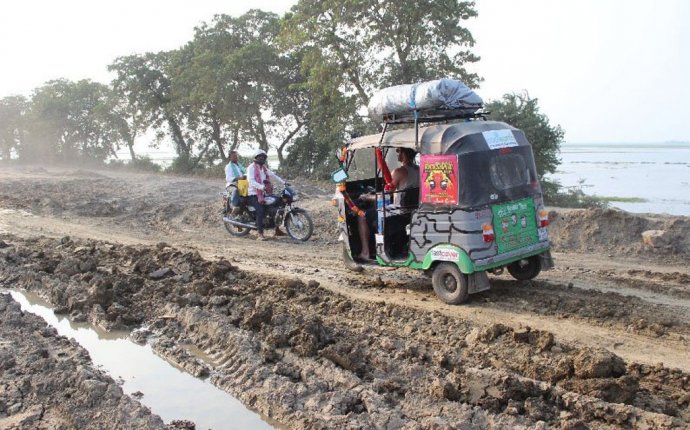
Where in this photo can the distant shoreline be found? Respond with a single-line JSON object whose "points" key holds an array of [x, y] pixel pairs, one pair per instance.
{"points": [[670, 144]]}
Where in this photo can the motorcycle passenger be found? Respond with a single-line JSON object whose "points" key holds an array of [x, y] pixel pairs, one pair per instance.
{"points": [[259, 186], [234, 171]]}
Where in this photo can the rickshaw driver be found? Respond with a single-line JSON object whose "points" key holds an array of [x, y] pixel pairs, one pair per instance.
{"points": [[403, 178]]}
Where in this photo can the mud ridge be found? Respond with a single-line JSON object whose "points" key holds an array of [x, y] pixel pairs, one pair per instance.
{"points": [[310, 358]]}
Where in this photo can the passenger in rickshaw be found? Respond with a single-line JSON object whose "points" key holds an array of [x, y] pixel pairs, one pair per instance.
{"points": [[404, 179]]}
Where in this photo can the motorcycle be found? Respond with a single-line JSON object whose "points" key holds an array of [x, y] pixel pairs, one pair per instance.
{"points": [[279, 212]]}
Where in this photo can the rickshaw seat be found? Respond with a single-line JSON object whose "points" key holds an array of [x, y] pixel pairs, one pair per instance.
{"points": [[396, 238], [410, 198]]}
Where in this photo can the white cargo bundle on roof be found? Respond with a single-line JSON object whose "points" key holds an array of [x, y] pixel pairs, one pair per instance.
{"points": [[441, 94]]}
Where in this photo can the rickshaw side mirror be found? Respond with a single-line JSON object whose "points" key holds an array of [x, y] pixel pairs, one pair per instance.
{"points": [[339, 175]]}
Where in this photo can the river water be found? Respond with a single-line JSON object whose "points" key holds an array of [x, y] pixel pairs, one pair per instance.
{"points": [[657, 173]]}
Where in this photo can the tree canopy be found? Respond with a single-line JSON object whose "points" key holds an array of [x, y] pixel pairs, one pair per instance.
{"points": [[296, 84], [352, 48], [12, 127], [65, 121]]}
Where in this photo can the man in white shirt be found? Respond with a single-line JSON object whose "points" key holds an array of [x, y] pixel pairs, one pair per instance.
{"points": [[258, 175], [234, 171]]}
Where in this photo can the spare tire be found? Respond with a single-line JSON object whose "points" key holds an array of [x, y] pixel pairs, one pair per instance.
{"points": [[525, 269]]}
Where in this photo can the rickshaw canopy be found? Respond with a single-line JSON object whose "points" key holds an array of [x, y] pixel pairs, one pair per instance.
{"points": [[433, 139]]}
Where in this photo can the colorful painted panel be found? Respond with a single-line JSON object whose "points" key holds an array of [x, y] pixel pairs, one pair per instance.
{"points": [[515, 224], [439, 183]]}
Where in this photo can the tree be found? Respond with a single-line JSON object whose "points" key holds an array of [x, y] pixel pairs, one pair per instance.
{"points": [[66, 122], [125, 119], [12, 128], [238, 84], [331, 115], [380, 43], [352, 48], [144, 81]]}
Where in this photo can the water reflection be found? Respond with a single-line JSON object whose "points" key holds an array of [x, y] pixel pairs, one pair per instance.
{"points": [[168, 391]]}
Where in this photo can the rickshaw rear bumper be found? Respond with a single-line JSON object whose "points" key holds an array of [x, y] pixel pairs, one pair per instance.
{"points": [[540, 248]]}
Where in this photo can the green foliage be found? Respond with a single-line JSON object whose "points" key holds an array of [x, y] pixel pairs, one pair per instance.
{"points": [[375, 44], [238, 84], [144, 164], [296, 83], [521, 111], [180, 165], [12, 127], [143, 82], [66, 122], [609, 199], [571, 197], [140, 164], [350, 49]]}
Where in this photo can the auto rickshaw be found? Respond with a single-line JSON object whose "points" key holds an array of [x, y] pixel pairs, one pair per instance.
{"points": [[478, 207]]}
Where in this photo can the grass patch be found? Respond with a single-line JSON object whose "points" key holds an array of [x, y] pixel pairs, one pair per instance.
{"points": [[623, 199]]}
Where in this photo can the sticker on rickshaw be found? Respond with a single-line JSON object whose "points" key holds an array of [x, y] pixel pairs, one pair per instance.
{"points": [[515, 224], [445, 254], [497, 139], [439, 184]]}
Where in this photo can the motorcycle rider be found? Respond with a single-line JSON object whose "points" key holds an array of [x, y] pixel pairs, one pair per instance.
{"points": [[258, 176], [234, 171]]}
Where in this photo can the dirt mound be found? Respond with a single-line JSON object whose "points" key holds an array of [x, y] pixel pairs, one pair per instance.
{"points": [[314, 359], [159, 203], [619, 232]]}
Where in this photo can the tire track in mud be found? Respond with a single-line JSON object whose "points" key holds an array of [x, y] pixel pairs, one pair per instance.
{"points": [[148, 216], [312, 359], [318, 261]]}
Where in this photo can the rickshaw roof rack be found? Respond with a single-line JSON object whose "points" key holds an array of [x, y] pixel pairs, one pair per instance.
{"points": [[432, 115]]}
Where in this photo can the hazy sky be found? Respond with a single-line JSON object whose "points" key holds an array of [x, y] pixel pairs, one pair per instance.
{"points": [[605, 70]]}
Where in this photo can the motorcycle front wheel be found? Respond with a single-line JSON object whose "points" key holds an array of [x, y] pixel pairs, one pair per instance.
{"points": [[299, 225]]}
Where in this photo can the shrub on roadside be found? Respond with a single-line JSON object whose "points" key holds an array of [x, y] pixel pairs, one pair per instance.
{"points": [[140, 164], [569, 197]]}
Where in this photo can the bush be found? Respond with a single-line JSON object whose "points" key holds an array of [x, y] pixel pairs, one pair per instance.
{"points": [[180, 166], [142, 164], [569, 197]]}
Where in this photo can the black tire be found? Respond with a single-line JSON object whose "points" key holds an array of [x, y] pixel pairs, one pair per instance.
{"points": [[525, 269], [235, 230], [299, 225], [350, 264], [450, 284]]}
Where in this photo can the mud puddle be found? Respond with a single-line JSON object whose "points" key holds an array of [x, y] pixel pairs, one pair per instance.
{"points": [[168, 391]]}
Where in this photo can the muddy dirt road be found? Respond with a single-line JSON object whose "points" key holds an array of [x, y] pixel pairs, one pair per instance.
{"points": [[602, 341]]}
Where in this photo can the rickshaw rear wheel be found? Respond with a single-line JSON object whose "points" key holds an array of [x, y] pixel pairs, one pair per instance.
{"points": [[450, 284], [525, 269]]}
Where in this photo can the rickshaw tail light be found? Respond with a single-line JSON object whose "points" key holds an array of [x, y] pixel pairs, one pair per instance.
{"points": [[543, 219], [488, 233]]}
